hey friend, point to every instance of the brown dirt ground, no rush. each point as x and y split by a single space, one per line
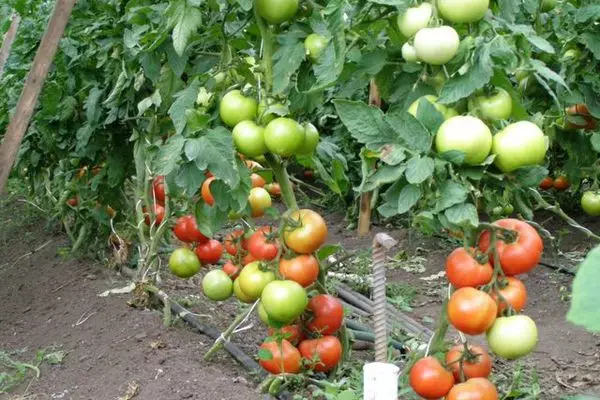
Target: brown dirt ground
43 296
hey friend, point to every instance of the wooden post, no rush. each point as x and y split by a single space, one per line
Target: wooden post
7 43
364 214
33 86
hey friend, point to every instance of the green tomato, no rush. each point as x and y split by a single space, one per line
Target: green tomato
249 139
447 112
436 81
284 136
519 145
262 314
508 209
492 108
311 139
467 134
217 285
571 54
314 45
184 263
512 337
241 296
284 301
267 113
235 108
436 46
414 19
548 5
253 279
497 211
277 11
590 202
463 11
409 53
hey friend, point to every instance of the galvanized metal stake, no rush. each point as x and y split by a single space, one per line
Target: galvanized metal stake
381 243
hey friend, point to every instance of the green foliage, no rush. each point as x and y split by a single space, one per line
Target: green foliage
586 293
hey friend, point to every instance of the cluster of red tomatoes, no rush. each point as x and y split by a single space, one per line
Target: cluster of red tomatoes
486 300
560 183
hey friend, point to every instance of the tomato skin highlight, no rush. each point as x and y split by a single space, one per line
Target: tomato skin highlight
590 202
288 354
205 191
325 352
463 270
471 311
474 389
514 293
479 367
209 252
327 314
520 256
303 269
429 379
547 183
309 236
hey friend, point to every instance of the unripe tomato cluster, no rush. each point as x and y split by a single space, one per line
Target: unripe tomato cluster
486 300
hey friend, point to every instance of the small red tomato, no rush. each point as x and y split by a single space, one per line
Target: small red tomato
157 216
547 183
209 252
231 269
324 352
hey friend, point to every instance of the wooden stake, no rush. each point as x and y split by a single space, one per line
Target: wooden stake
7 43
364 214
33 86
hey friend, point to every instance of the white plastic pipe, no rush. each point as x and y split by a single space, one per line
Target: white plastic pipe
380 381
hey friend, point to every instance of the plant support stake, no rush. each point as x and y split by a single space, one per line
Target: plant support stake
7 43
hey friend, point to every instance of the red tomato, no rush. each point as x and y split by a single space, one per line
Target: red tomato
234 240
521 255
257 180
463 269
429 379
514 293
263 244
284 355
274 189
231 269
157 216
303 269
471 311
478 364
547 183
209 252
561 183
186 230
248 258
578 109
324 352
292 333
327 314
310 233
205 191
73 201
474 389
158 187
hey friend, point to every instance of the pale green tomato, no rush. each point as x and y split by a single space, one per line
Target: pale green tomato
284 136
284 301
436 46
249 139
463 11
414 19
235 108
217 285
314 45
447 112
467 134
512 337
590 202
311 139
276 11
518 145
408 53
548 5
492 108
253 279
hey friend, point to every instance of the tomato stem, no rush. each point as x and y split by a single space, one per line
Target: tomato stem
283 179
267 48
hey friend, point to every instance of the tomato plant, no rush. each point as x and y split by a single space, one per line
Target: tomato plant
463 11
590 202
314 45
249 138
292 333
231 270
476 388
561 183
436 46
468 135
513 293
253 279
235 108
259 200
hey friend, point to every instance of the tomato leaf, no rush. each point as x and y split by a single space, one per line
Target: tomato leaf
215 152
265 355
451 193
531 176
168 155
547 73
287 59
384 174
408 197
587 13
592 42
429 116
530 34
419 169
584 309
595 141
185 100
462 215
189 177
509 9
328 250
408 131
189 20
461 86
365 123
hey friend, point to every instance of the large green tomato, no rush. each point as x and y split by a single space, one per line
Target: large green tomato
436 46
492 108
284 301
590 202
463 11
184 263
512 337
414 19
253 279
409 53
447 112
311 139
277 11
284 136
519 145
467 134
267 113
548 5
241 296
217 285
249 139
235 108
314 45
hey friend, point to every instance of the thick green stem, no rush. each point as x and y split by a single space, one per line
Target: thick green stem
267 42
283 179
80 238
